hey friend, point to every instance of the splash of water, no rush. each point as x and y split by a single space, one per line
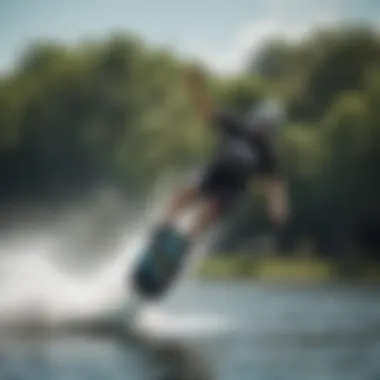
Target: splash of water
34 284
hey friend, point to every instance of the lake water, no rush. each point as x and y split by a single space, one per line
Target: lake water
226 331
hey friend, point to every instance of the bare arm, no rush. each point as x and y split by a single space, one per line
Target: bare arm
195 82
276 195
225 121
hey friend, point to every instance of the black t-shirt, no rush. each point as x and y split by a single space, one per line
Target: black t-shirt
243 148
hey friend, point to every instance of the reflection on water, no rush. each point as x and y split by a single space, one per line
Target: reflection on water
238 331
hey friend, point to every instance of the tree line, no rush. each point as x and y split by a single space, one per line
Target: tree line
117 111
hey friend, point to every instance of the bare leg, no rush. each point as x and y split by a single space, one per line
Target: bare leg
180 202
210 212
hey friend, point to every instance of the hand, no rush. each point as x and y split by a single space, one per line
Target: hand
278 211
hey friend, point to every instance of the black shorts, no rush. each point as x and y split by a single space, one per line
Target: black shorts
226 182
223 183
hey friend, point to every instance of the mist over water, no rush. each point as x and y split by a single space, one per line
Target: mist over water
77 268
74 272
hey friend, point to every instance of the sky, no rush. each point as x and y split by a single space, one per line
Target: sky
221 33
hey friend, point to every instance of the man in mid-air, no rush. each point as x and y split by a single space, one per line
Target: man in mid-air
246 151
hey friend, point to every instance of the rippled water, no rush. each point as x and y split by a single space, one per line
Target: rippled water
227 331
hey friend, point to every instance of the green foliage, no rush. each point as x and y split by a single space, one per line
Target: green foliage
75 115
331 83
117 110
241 93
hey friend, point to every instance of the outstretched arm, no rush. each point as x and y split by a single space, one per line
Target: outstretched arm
195 81
226 121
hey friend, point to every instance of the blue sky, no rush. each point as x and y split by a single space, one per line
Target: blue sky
219 32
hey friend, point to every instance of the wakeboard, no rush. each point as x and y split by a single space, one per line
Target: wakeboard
160 263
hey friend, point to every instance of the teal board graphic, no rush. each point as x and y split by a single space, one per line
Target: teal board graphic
160 263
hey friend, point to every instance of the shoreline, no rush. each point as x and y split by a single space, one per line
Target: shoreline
287 270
